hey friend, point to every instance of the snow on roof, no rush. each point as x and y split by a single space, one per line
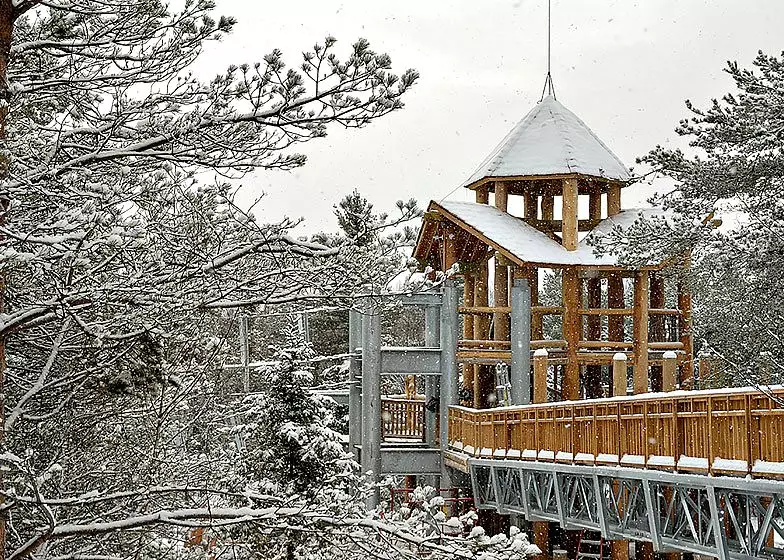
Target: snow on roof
527 243
551 140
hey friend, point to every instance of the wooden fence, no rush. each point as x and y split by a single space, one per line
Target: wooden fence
726 431
403 419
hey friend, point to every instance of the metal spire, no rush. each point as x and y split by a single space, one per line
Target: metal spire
548 81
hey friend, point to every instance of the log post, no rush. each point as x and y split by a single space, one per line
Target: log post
501 298
595 204
569 214
482 194
593 374
540 376
481 330
548 206
685 327
468 326
571 331
615 300
614 199
669 367
619 371
641 285
657 332
529 205
615 328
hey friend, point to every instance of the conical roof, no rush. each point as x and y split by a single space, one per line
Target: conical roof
550 140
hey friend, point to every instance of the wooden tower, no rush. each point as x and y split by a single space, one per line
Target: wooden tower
552 182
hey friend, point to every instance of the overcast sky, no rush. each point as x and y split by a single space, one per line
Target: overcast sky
625 68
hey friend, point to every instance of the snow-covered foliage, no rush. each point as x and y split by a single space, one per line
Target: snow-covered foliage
426 513
728 213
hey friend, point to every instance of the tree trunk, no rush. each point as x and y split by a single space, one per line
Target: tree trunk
6 28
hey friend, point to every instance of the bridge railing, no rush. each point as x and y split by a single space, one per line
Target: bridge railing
402 419
726 431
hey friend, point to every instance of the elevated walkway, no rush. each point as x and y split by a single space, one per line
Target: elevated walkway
695 472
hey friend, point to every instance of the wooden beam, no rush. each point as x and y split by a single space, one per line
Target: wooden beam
641 289
626 311
551 226
485 310
569 212
571 332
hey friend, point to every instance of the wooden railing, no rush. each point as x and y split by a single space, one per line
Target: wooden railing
403 419
725 431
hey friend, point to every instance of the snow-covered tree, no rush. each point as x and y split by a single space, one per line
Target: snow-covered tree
727 213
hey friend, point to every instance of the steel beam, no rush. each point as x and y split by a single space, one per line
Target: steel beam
371 397
406 461
410 361
520 371
449 380
729 518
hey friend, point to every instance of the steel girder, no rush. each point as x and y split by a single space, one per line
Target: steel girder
729 518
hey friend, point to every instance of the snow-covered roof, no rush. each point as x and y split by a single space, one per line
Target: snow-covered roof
551 140
527 244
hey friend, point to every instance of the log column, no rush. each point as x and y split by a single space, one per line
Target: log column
593 374
613 199
482 194
615 300
641 290
541 529
569 214
657 332
481 330
615 328
685 326
468 326
571 330
501 278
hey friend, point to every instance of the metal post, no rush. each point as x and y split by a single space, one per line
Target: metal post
520 372
354 383
354 330
371 397
449 381
432 340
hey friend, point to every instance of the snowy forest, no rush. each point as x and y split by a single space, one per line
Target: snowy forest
125 269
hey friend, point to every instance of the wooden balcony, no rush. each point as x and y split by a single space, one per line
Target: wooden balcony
720 432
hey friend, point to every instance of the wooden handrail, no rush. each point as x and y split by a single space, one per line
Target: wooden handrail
729 431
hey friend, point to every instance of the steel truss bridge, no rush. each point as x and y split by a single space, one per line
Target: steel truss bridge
729 518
